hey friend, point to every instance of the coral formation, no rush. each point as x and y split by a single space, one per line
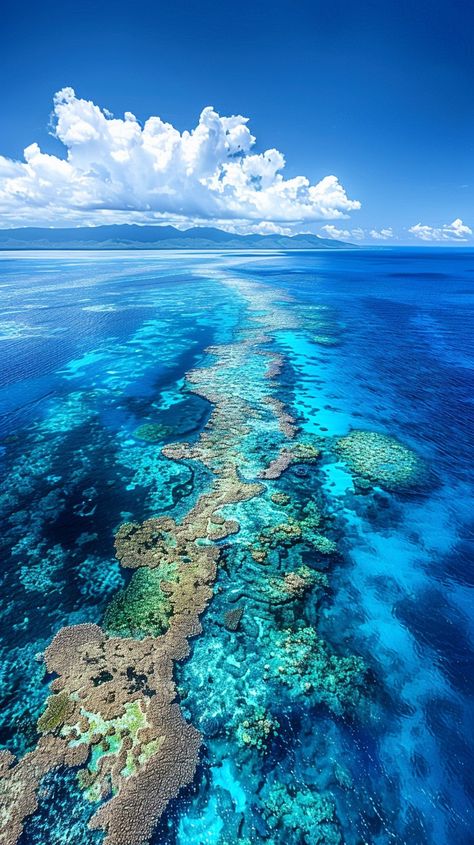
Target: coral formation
279 498
19 781
300 529
295 584
120 709
256 727
326 340
58 707
112 707
295 454
232 618
141 608
152 432
381 459
304 663
285 421
301 814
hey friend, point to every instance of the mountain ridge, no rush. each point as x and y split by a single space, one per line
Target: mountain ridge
133 236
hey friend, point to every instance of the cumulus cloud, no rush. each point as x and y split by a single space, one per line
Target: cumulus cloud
381 234
331 231
116 170
455 231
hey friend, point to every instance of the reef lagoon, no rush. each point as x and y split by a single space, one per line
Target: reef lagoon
237 548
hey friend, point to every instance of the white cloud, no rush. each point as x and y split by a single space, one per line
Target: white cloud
455 231
117 170
381 234
331 231
266 227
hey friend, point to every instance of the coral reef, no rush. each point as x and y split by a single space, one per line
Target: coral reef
326 340
381 459
118 699
323 545
295 584
304 663
285 421
322 325
298 529
147 469
232 618
19 781
58 708
279 498
301 814
113 712
39 575
152 432
141 608
255 728
295 454
62 814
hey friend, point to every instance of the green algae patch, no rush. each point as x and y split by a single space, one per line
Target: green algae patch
141 608
111 737
138 757
57 709
381 459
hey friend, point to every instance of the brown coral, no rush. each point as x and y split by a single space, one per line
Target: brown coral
297 453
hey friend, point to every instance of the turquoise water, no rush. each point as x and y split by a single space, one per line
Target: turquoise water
338 707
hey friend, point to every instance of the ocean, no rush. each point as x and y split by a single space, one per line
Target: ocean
314 535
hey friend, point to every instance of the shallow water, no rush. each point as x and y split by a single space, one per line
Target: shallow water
95 346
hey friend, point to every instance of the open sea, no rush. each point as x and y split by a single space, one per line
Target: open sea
332 678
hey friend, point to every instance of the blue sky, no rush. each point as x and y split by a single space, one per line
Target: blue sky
378 94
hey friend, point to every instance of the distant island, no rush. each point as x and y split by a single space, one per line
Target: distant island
132 236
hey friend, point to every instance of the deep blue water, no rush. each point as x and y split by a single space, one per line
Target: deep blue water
93 346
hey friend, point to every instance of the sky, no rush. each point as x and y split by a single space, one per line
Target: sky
360 116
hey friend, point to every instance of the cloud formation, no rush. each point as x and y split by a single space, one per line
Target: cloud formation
331 231
357 234
455 231
116 170
381 234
